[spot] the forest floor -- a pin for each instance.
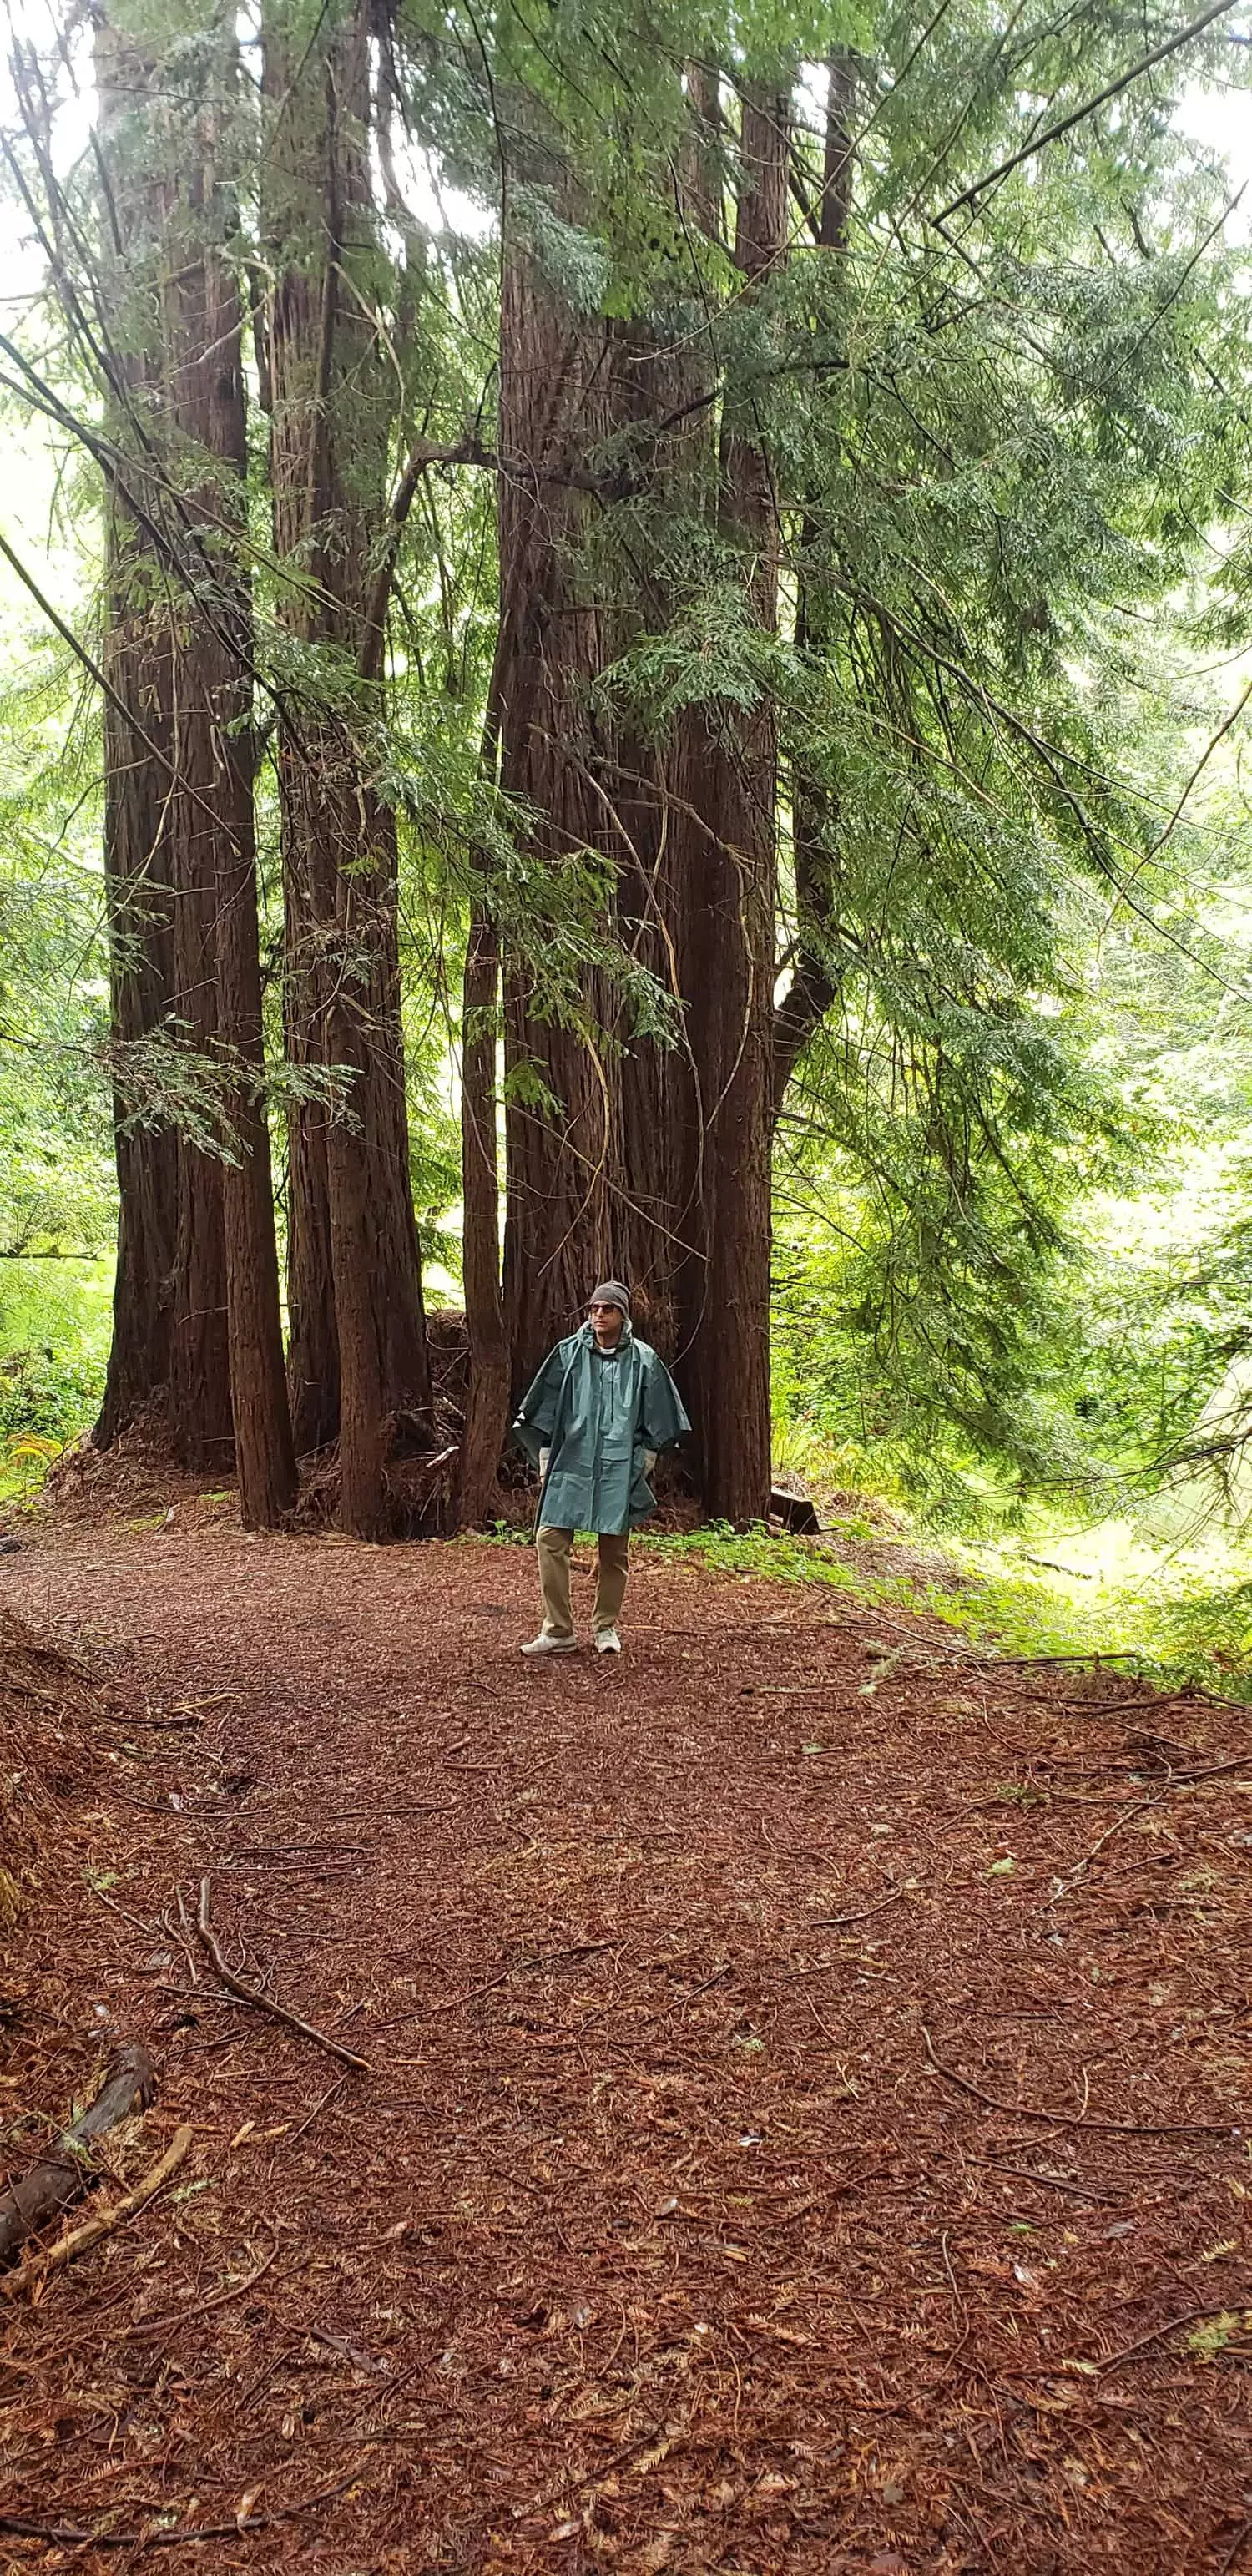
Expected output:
(804, 2126)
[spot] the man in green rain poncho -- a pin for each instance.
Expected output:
(601, 1407)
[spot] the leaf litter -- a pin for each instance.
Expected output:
(749, 2174)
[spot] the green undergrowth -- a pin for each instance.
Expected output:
(55, 1320)
(1174, 1629)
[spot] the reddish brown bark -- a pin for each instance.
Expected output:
(358, 1358)
(699, 886)
(562, 1227)
(729, 970)
(200, 1414)
(139, 900)
(312, 1333)
(487, 1407)
(141, 856)
(179, 779)
(214, 809)
(814, 981)
(662, 398)
(655, 1163)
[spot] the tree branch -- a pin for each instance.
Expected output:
(1078, 115)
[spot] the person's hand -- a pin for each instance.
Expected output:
(649, 1461)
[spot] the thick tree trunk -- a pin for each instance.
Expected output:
(179, 777)
(487, 1408)
(651, 1163)
(313, 1338)
(138, 889)
(143, 877)
(140, 903)
(200, 1414)
(814, 982)
(563, 1221)
(204, 326)
(658, 1233)
(358, 1357)
(226, 1359)
(728, 972)
(661, 397)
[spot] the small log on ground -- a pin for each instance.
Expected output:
(57, 2181)
(79, 2240)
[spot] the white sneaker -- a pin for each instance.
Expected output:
(543, 1644)
(608, 1642)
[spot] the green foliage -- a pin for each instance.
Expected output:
(1172, 1634)
(1006, 429)
(55, 1319)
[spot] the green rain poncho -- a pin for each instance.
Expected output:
(598, 1413)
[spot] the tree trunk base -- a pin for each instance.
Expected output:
(419, 1496)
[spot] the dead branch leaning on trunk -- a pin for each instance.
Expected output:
(57, 2181)
(259, 2000)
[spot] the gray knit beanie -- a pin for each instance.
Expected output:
(611, 1293)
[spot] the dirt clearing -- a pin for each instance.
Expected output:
(804, 2125)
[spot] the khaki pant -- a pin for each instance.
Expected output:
(554, 1549)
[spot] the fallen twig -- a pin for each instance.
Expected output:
(122, 1911)
(1212, 1770)
(1052, 2182)
(68, 2538)
(835, 1922)
(256, 1996)
(677, 2003)
(1176, 1780)
(449, 2003)
(1189, 2317)
(200, 2307)
(319, 2105)
(1140, 1808)
(519, 1967)
(79, 2240)
(1074, 2119)
(1119, 1655)
(185, 1931)
(1244, 2533)
(57, 2181)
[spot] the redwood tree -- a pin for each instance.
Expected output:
(562, 1134)
(358, 1360)
(197, 1312)
(170, 1297)
(213, 740)
(729, 970)
(623, 1155)
(140, 902)
(487, 1403)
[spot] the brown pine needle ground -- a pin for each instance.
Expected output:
(658, 2233)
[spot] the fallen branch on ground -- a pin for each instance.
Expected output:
(1052, 2182)
(190, 2315)
(1074, 2119)
(56, 2182)
(1189, 2317)
(1111, 1655)
(80, 2240)
(1176, 1780)
(259, 2000)
(68, 2538)
(835, 1922)
(1140, 1808)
